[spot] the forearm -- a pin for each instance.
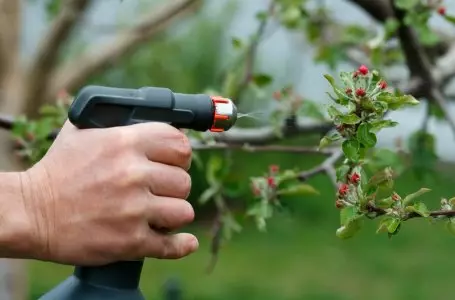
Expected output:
(15, 228)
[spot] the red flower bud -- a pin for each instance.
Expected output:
(274, 169)
(360, 92)
(348, 91)
(382, 85)
(271, 182)
(395, 197)
(339, 204)
(30, 136)
(355, 178)
(255, 189)
(363, 70)
(277, 95)
(343, 189)
(442, 10)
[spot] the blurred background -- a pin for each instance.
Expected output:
(299, 257)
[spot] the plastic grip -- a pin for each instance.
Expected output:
(98, 107)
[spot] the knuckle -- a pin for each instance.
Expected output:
(130, 174)
(138, 240)
(123, 137)
(184, 149)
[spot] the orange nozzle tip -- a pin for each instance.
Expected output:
(216, 130)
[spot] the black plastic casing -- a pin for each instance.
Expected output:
(99, 106)
(117, 281)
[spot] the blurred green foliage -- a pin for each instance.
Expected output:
(187, 59)
(299, 257)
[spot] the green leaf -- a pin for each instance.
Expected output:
(230, 225)
(391, 25)
(346, 77)
(329, 139)
(333, 112)
(298, 189)
(350, 119)
(342, 97)
(261, 211)
(208, 194)
(389, 225)
(351, 149)
(396, 102)
(214, 165)
(350, 229)
(406, 4)
(419, 208)
(384, 224)
(393, 226)
(382, 158)
(262, 16)
(291, 17)
(380, 107)
(384, 203)
(451, 19)
(237, 43)
(365, 137)
(382, 179)
(312, 110)
(341, 172)
(262, 80)
(411, 197)
(380, 124)
(347, 214)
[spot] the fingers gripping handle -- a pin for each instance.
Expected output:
(98, 107)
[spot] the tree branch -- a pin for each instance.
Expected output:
(10, 27)
(72, 75)
(46, 58)
(328, 167)
(198, 145)
(267, 134)
(417, 60)
(251, 53)
(435, 214)
(380, 10)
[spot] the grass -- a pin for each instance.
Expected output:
(300, 257)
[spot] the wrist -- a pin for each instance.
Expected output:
(16, 230)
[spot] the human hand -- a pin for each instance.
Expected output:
(96, 195)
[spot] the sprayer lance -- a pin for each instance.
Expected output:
(98, 107)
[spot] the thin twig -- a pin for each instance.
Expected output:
(197, 145)
(328, 167)
(435, 214)
(251, 53)
(72, 75)
(47, 55)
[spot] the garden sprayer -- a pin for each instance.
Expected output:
(101, 107)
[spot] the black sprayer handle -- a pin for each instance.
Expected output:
(101, 107)
(98, 107)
